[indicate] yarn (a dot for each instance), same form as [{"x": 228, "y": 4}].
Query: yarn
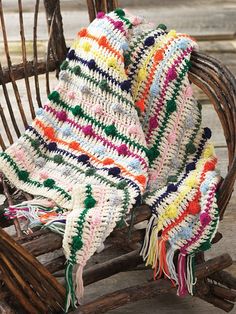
[
  {"x": 191, "y": 166},
  {"x": 149, "y": 41},
  {"x": 64, "y": 65},
  {"x": 121, "y": 127},
  {"x": 171, "y": 188},
  {"x": 89, "y": 202},
  {"x": 52, "y": 146},
  {"x": 114, "y": 171},
  {"x": 83, "y": 158},
  {"x": 110, "y": 130},
  {"x": 125, "y": 86},
  {"x": 122, "y": 149},
  {"x": 58, "y": 159},
  {"x": 190, "y": 148},
  {"x": 76, "y": 70},
  {"x": 62, "y": 115},
  {"x": 49, "y": 183},
  {"x": 120, "y": 12},
  {"x": 205, "y": 219},
  {"x": 171, "y": 106},
  {"x": 88, "y": 129},
  {"x": 77, "y": 110},
  {"x": 100, "y": 15},
  {"x": 162, "y": 26},
  {"x": 104, "y": 85},
  {"x": 23, "y": 175},
  {"x": 92, "y": 64},
  {"x": 54, "y": 96}
]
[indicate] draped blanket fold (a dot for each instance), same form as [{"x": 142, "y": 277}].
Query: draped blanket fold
[{"x": 122, "y": 127}]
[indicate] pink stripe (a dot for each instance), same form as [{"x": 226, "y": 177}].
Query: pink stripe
[
  {"x": 182, "y": 289},
  {"x": 121, "y": 28}
]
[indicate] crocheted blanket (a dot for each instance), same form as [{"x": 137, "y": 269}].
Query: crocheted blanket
[{"x": 121, "y": 127}]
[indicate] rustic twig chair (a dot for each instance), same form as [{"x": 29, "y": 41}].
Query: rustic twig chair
[{"x": 28, "y": 286}]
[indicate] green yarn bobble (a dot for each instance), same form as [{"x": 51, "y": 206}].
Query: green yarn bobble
[
  {"x": 127, "y": 60},
  {"x": 23, "y": 175},
  {"x": 58, "y": 159},
  {"x": 89, "y": 202},
  {"x": 90, "y": 172},
  {"x": 77, "y": 243},
  {"x": 190, "y": 148},
  {"x": 35, "y": 143},
  {"x": 120, "y": 12},
  {"x": 199, "y": 106},
  {"x": 172, "y": 179},
  {"x": 64, "y": 65},
  {"x": 104, "y": 85},
  {"x": 162, "y": 26},
  {"x": 110, "y": 130},
  {"x": 77, "y": 111},
  {"x": 121, "y": 185},
  {"x": 171, "y": 106},
  {"x": 76, "y": 70},
  {"x": 152, "y": 153},
  {"x": 49, "y": 183},
  {"x": 54, "y": 96}
]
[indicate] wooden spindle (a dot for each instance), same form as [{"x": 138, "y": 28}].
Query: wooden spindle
[{"x": 24, "y": 59}]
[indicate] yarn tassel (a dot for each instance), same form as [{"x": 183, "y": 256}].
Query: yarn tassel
[
  {"x": 191, "y": 280},
  {"x": 171, "y": 266},
  {"x": 182, "y": 288},
  {"x": 79, "y": 284},
  {"x": 56, "y": 226},
  {"x": 164, "y": 263},
  {"x": 162, "y": 260},
  {"x": 32, "y": 210},
  {"x": 147, "y": 239},
  {"x": 153, "y": 252},
  {"x": 70, "y": 293}
]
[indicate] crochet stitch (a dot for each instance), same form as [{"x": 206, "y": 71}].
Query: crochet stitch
[
  {"x": 182, "y": 177},
  {"x": 122, "y": 124}
]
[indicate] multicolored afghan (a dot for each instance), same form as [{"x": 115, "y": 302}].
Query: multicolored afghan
[
  {"x": 121, "y": 125},
  {"x": 182, "y": 184}
]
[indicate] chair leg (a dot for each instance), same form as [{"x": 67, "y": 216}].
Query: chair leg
[{"x": 29, "y": 282}]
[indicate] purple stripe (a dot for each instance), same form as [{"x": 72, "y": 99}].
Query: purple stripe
[
  {"x": 113, "y": 22},
  {"x": 160, "y": 104}
]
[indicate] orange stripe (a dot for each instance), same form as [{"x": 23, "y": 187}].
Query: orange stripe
[{"x": 102, "y": 41}]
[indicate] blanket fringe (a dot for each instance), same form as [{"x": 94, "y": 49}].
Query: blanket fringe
[
  {"x": 79, "y": 284},
  {"x": 38, "y": 213},
  {"x": 70, "y": 292},
  {"x": 155, "y": 252}
]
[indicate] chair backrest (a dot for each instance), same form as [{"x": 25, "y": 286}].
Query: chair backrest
[{"x": 21, "y": 79}]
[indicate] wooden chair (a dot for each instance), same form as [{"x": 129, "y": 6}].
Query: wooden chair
[{"x": 28, "y": 286}]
